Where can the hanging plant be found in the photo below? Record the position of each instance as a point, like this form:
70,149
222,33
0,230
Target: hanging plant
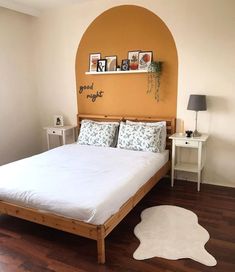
154,74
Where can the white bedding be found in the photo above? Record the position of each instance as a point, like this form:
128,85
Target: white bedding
81,182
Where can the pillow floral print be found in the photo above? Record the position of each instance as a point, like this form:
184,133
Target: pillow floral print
93,133
139,137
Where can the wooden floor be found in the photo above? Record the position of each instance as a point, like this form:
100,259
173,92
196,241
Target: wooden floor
25,246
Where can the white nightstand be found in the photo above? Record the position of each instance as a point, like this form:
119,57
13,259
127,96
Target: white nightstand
180,141
62,132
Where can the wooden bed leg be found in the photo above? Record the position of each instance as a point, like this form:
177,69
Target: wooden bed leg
101,245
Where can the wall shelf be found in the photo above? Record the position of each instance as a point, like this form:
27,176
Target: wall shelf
117,72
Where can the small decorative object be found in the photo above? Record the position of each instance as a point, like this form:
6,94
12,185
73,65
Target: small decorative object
133,57
111,63
197,103
154,74
118,68
101,65
125,64
93,61
145,59
188,133
58,121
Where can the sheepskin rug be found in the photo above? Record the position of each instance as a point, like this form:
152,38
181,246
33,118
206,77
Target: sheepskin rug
173,233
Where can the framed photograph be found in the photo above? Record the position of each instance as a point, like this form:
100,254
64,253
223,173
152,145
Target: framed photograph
133,57
145,59
101,65
111,63
58,121
125,64
94,57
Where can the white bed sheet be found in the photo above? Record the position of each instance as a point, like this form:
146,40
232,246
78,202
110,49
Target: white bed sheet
81,182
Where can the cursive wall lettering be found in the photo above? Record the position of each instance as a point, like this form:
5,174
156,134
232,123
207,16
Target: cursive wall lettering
94,96
86,87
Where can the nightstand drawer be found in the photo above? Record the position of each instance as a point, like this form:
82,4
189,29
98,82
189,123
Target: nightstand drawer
55,131
186,143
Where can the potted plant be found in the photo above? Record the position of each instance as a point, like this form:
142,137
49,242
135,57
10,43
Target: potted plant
154,75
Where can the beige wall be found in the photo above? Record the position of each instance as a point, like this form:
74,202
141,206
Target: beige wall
204,35
19,130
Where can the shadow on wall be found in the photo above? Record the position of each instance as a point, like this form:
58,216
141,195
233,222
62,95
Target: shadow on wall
220,145
218,107
217,104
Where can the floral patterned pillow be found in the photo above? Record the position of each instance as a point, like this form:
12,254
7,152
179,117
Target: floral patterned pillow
98,134
139,137
161,125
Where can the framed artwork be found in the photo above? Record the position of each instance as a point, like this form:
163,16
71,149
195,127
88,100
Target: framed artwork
133,57
145,59
94,57
58,121
125,64
101,65
111,63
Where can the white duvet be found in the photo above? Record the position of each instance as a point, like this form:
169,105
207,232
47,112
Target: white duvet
81,182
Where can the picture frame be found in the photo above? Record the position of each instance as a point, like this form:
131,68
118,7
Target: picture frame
133,57
101,65
125,65
145,59
93,58
58,121
111,63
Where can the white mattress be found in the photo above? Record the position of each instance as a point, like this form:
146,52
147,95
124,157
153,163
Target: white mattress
81,182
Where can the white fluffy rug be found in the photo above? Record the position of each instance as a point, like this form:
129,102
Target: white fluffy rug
173,233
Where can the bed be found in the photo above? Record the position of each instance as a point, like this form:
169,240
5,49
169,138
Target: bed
90,208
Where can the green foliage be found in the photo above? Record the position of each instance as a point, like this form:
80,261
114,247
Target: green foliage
155,67
154,75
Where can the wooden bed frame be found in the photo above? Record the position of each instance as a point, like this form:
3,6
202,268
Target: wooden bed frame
95,232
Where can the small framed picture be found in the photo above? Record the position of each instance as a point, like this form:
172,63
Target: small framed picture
145,59
125,64
58,121
101,65
111,63
94,57
133,57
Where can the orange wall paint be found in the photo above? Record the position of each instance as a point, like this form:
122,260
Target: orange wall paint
115,32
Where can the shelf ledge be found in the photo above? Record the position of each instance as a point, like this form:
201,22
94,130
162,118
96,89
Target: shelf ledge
189,167
117,72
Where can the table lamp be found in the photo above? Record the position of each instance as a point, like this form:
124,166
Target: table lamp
197,103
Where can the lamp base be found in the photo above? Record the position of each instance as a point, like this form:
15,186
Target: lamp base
196,134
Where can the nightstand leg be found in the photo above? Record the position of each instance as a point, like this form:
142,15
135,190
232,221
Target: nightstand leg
48,141
199,166
73,135
173,164
63,138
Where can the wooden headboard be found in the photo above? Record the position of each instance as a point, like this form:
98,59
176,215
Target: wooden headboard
170,121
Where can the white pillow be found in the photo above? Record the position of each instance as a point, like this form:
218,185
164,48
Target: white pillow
97,133
161,125
139,137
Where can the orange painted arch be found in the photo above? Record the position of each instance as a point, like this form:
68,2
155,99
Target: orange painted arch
115,32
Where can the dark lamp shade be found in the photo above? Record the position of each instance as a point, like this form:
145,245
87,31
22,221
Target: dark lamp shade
197,102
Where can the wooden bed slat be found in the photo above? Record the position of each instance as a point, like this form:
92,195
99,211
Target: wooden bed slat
50,220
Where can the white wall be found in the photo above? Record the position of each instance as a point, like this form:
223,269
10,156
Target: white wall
19,130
